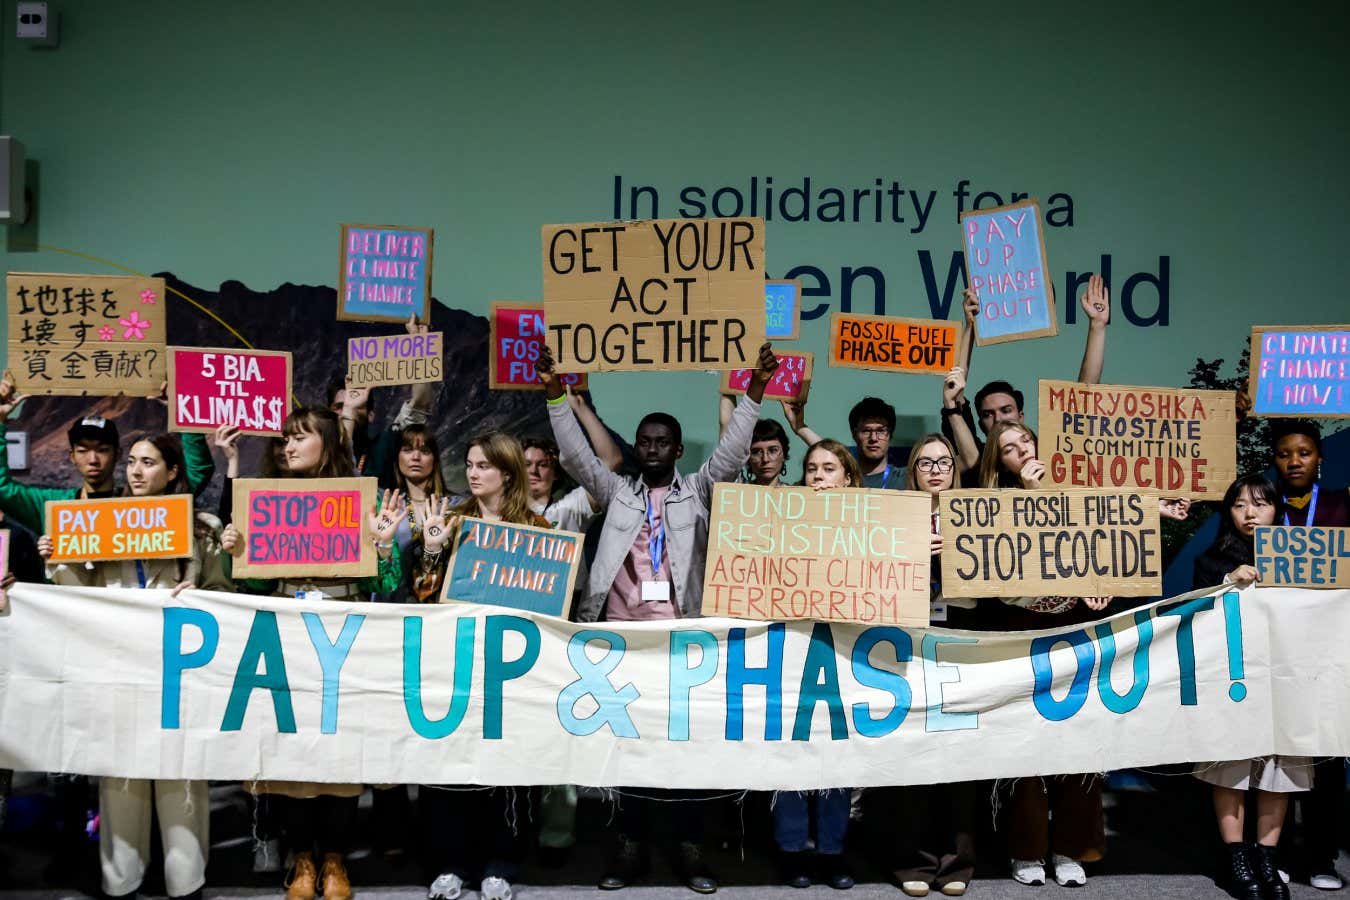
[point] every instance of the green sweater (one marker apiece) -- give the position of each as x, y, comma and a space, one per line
27, 504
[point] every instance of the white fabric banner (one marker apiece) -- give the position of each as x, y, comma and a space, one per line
228, 686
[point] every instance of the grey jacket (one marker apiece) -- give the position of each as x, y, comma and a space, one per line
624, 499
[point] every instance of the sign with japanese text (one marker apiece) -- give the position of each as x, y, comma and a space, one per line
77, 335
247, 389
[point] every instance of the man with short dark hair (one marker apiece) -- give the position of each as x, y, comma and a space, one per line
872, 423
649, 567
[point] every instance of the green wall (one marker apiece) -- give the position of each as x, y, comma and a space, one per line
228, 140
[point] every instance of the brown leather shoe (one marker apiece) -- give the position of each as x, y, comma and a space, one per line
301, 884
335, 883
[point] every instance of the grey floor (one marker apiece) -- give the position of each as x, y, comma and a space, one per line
1161, 844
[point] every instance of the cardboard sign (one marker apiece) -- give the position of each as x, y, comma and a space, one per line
394, 359
1303, 556
120, 528
1177, 442
782, 310
385, 273
299, 527
77, 335
210, 387
1301, 371
893, 343
790, 381
1007, 267
656, 295
516, 566
1015, 543
843, 555
516, 331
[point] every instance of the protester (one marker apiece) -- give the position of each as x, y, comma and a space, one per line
768, 447
570, 510
476, 834
1303, 500
1058, 817
94, 445
872, 422
320, 817
154, 467
1250, 871
828, 465
998, 401
649, 566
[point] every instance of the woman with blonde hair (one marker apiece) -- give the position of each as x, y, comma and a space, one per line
480, 831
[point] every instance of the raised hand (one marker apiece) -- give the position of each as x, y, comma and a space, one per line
1096, 301
1032, 473
161, 395
543, 368
1097, 604
954, 387
385, 519
416, 327
9, 397
231, 541
764, 370
970, 306
438, 525
1177, 508
44, 546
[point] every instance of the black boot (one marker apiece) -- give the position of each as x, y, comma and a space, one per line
1268, 874
1239, 875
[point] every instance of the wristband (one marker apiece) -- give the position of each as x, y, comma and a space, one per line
379, 546
557, 401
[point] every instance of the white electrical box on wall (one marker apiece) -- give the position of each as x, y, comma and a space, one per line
13, 199
36, 24
18, 449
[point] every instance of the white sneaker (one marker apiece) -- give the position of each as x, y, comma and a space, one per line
915, 888
1028, 871
445, 887
1327, 881
495, 888
267, 856
1284, 876
1068, 872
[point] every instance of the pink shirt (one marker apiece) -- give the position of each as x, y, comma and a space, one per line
624, 603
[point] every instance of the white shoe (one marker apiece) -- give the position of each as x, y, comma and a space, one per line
445, 887
1284, 876
954, 888
915, 888
1327, 881
1028, 871
1068, 872
495, 888
267, 856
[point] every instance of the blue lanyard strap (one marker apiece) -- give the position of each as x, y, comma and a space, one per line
1312, 509
140, 572
656, 541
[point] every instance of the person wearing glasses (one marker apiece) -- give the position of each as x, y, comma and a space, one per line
872, 421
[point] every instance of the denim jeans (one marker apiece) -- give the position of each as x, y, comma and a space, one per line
792, 820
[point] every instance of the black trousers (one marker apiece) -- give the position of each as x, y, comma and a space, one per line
476, 832
318, 824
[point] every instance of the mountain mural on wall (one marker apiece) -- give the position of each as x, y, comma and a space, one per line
301, 319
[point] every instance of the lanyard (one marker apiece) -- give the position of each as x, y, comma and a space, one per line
1312, 510
140, 573
656, 541
886, 475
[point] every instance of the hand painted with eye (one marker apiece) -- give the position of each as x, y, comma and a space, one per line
1096, 302
437, 523
385, 520
954, 387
